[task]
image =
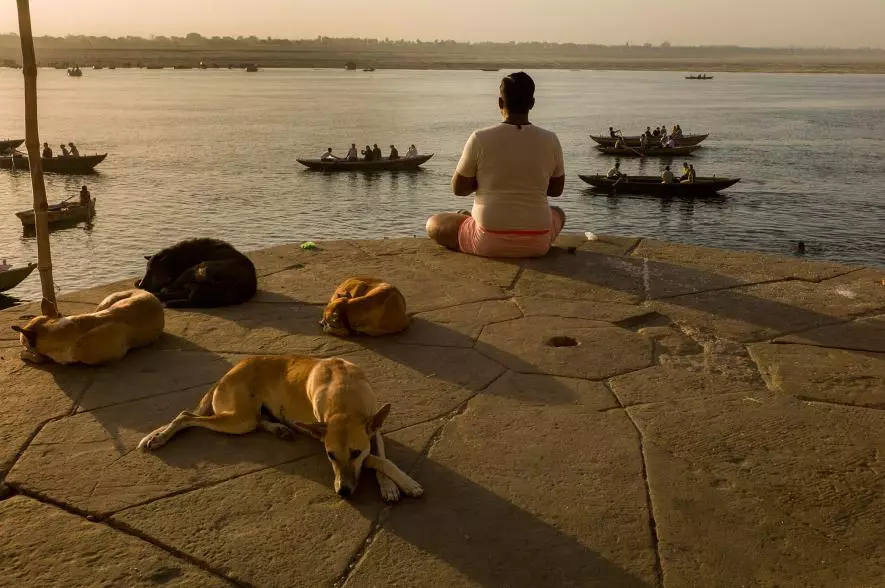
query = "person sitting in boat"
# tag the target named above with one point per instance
(64, 150)
(643, 142)
(368, 155)
(4, 266)
(47, 151)
(376, 153)
(615, 172)
(352, 154)
(394, 154)
(657, 132)
(513, 168)
(691, 176)
(685, 170)
(327, 156)
(620, 143)
(412, 152)
(85, 196)
(648, 131)
(667, 177)
(677, 132)
(74, 151)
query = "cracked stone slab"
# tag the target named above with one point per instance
(662, 383)
(819, 373)
(253, 329)
(585, 275)
(150, 372)
(283, 526)
(738, 266)
(457, 326)
(31, 395)
(275, 259)
(602, 351)
(765, 311)
(671, 341)
(860, 335)
(552, 495)
(89, 461)
(609, 312)
(749, 492)
(422, 382)
(611, 244)
(45, 546)
(20, 314)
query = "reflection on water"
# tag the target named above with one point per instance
(209, 153)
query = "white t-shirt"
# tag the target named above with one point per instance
(512, 167)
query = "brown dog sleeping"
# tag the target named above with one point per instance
(365, 305)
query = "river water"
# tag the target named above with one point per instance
(212, 153)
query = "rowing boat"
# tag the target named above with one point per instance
(63, 213)
(650, 152)
(636, 140)
(10, 144)
(11, 278)
(81, 164)
(654, 185)
(703, 77)
(403, 163)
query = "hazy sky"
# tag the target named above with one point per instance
(829, 23)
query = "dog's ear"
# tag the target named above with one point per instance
(315, 430)
(375, 423)
(31, 336)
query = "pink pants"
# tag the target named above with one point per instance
(475, 240)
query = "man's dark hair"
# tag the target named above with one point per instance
(518, 92)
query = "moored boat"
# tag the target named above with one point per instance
(75, 72)
(700, 77)
(654, 185)
(65, 212)
(12, 277)
(649, 152)
(81, 164)
(635, 140)
(403, 163)
(9, 144)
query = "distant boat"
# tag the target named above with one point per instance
(649, 152)
(97, 67)
(635, 140)
(368, 69)
(251, 68)
(83, 164)
(182, 67)
(350, 66)
(11, 278)
(154, 67)
(403, 163)
(699, 77)
(75, 72)
(654, 185)
(58, 214)
(9, 144)
(489, 69)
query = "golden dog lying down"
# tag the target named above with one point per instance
(365, 305)
(329, 399)
(123, 321)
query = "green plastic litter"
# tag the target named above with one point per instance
(308, 245)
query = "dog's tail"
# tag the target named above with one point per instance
(205, 406)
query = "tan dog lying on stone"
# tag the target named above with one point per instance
(123, 321)
(329, 399)
(365, 305)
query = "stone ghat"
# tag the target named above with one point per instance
(636, 413)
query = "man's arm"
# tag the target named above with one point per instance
(557, 178)
(464, 179)
(556, 186)
(462, 185)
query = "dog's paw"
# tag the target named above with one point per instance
(153, 440)
(31, 357)
(412, 488)
(389, 489)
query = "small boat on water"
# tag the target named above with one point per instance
(403, 163)
(75, 72)
(654, 185)
(635, 140)
(62, 213)
(649, 152)
(12, 277)
(700, 77)
(251, 68)
(9, 144)
(82, 164)
(368, 69)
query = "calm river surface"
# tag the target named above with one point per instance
(212, 153)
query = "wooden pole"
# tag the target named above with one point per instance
(32, 141)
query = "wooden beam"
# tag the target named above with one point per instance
(32, 141)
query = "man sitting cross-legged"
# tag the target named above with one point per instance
(512, 167)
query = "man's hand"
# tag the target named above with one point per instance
(464, 186)
(556, 186)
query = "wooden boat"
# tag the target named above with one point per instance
(75, 72)
(368, 69)
(650, 152)
(701, 77)
(10, 144)
(62, 213)
(15, 276)
(403, 163)
(251, 68)
(82, 164)
(635, 140)
(654, 185)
